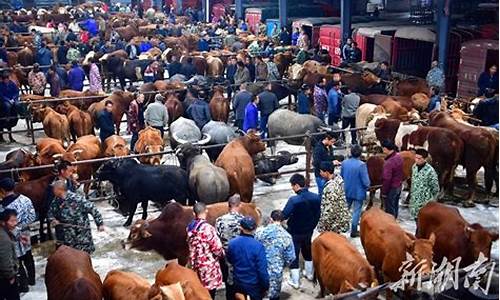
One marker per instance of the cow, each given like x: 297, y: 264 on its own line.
x: 167, y: 234
x: 174, y: 273
x: 455, y: 237
x: 387, y: 245
x: 364, y: 114
x: 121, y: 102
x: 220, y: 133
x: 55, y: 125
x: 137, y: 183
x: 80, y: 122
x: 149, y: 141
x: 174, y: 108
x: 360, y: 82
x: 296, y: 124
x: 19, y: 158
x: 25, y: 57
x: 84, y: 99
x: 219, y: 105
x: 236, y: 159
x: 115, y: 146
x: 208, y: 183
x: 69, y: 276
x: 409, y: 87
x: 184, y: 131
x: 215, y: 67
x: 48, y: 150
x: 266, y: 165
x: 338, y: 265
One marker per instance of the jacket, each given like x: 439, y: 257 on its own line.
x: 356, y: 180
x: 392, y: 175
x: 37, y: 81
x: 251, y: 117
x: 261, y: 71
x: 62, y: 51
x: 335, y: 215
x: 240, y: 102
x: 230, y: 72
x: 188, y: 70
x: 486, y: 81
x: 320, y: 99
x: 434, y: 103
x: 487, y: 111
x: 8, y: 259
x: 199, y: 112
x: 321, y: 153
x: 242, y: 75
x: 350, y: 104
x: 302, y: 212
x: 435, y: 77
x: 73, y: 54
x: 135, y: 117
x: 248, y: 258
x: 25, y: 216
x: 105, y: 123
x: 44, y: 57
x: 76, y: 76
x: 334, y: 103
x: 268, y: 102
x: 251, y: 71
x: 302, y: 103
x: 174, y: 68
x: 424, y: 187
x: 156, y: 115
x: 9, y: 91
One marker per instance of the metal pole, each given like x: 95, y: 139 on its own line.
x: 238, y: 9
x: 345, y: 19
x: 207, y: 10
x: 443, y: 32
x: 283, y: 11
x: 308, y: 160
x: 179, y: 7
x: 31, y: 129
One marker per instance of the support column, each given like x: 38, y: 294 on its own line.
x: 178, y: 7
x: 443, y: 30
x: 345, y: 19
x: 283, y: 10
x: 205, y: 6
x: 238, y: 9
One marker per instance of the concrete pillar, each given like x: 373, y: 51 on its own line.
x: 178, y: 6
x: 443, y: 31
x: 283, y: 8
x: 345, y: 19
x: 238, y: 9
x: 205, y: 6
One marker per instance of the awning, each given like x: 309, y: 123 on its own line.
x: 416, y: 33
x: 372, y: 31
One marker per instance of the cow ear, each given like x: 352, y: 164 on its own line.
x: 346, y: 287
x: 146, y: 234
x: 432, y: 238
x: 468, y: 232
x: 493, y: 235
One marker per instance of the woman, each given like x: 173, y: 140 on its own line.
x: 95, y: 80
x: 54, y: 81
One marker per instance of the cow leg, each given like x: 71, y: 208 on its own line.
x: 11, y: 138
x: 49, y: 229
x: 2, y: 140
x: 144, y: 205
x: 471, y: 184
x: 122, y: 82
x: 43, y: 238
x: 130, y: 215
x: 370, y: 199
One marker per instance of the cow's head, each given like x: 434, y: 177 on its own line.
x: 296, y: 73
x: 480, y: 239
x: 421, y: 251
x: 186, y: 151
x: 386, y: 129
x: 369, y: 78
x: 154, y: 159
x: 108, y: 170
x: 138, y: 232
x: 120, y: 150
x: 252, y: 143
x: 174, y: 291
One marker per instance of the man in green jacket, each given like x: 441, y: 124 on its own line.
x: 424, y: 183
x: 8, y: 257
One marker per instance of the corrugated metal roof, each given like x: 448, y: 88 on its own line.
x: 372, y: 31
x: 488, y: 44
x: 416, y: 33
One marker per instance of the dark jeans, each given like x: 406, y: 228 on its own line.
x: 263, y: 126
x: 160, y: 128
x: 133, y: 140
x: 356, y: 213
x: 225, y: 272
x: 391, y: 203
x: 104, y: 135
x: 333, y: 118
x: 248, y: 291
x: 320, y: 183
x: 302, y: 244
x: 239, y: 124
x: 350, y: 122
x: 26, y: 270
x: 8, y: 291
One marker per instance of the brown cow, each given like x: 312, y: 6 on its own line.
x: 19, y: 158
x: 87, y: 98
x: 174, y: 108
x: 386, y: 245
x: 149, y: 141
x: 338, y: 265
x: 409, y: 87
x: 455, y: 237
x: 283, y: 61
x: 47, y: 150
x: 418, y: 101
x: 359, y: 82
x: 115, y: 146
x: 55, y: 125
x: 215, y: 67
x: 121, y: 102
x: 199, y: 62
x: 219, y: 106
x: 173, y: 273
x: 69, y: 276
x: 236, y: 159
x: 25, y: 57
x: 167, y: 233
x: 80, y: 122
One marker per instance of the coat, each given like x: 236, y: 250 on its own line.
x: 156, y: 115
x: 302, y: 212
x: 135, y: 117
x: 268, y: 102
x: 356, y: 180
x: 335, y: 215
x: 199, y: 112
x: 8, y: 259
x: 240, y: 102
x: 72, y: 212
x: 392, y: 175
x: 302, y: 103
x: 37, y: 82
x: 25, y: 216
x: 334, y: 103
x: 44, y: 57
x: 76, y: 76
x: 320, y: 100
x: 424, y: 187
x: 242, y: 75
x: 95, y: 81
x: 261, y: 71
x: 251, y: 117
x: 105, y: 124
x: 280, y: 253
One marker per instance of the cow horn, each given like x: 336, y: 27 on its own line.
x: 205, y: 140
x: 77, y: 151
x: 57, y: 155
x: 177, y: 139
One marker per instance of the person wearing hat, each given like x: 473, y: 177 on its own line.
x: 156, y: 114
x: 199, y: 111
x: 25, y: 216
x: 68, y: 212
x: 424, y: 183
x: 392, y: 178
x: 37, y: 80
x: 105, y: 121
x: 205, y: 249
x: 279, y: 251
x: 249, y: 261
x: 323, y: 151
x: 302, y: 212
x: 304, y: 100
x: 9, y: 289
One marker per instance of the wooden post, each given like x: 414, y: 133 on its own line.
x: 308, y: 160
x: 290, y: 101
x: 31, y: 129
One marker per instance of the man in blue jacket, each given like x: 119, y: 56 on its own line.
x: 334, y: 106
x: 251, y: 115
x: 199, y: 111
x: 91, y: 26
x: 356, y: 182
x: 76, y: 76
x: 105, y: 121
x: 249, y: 261
x: 302, y: 212
x: 44, y: 57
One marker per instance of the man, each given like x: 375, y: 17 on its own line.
x: 335, y: 215
x: 188, y: 69
x: 385, y: 74
x: 73, y: 54
x: 76, y: 76
x: 435, y: 76
x: 295, y: 36
x: 303, y: 100
x: 25, y: 216
x: 334, y: 104
x: 303, y: 40
x: 260, y: 69
x: 488, y: 80
x: 279, y: 251
x: 230, y: 72
x: 132, y: 50
x: 347, y: 51
x: 487, y: 110
x: 251, y: 115
x: 356, y: 54
x: 302, y: 212
x: 350, y: 104
x: 70, y: 211
x: 135, y: 119
x: 240, y: 102
x: 37, y: 39
x: 44, y: 57
x: 268, y: 102
x: 272, y: 68
x: 320, y: 99
x: 156, y: 114
x: 248, y: 258
x: 9, y: 93
x: 105, y: 121
x: 8, y: 259
x: 174, y: 67
x: 55, y: 82
x: 228, y: 227
x: 435, y: 101
x: 199, y: 111
x: 392, y: 178
x: 65, y: 172
x: 37, y: 80
x: 205, y: 249
x: 249, y: 64
x: 242, y: 74
x: 356, y: 183
x: 71, y: 36
x: 323, y: 151
x: 284, y: 37
x: 62, y: 53
x: 424, y: 183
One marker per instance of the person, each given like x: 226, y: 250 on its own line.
x: 350, y: 104
x: 54, y: 80
x: 488, y: 80
x: 347, y: 51
x: 320, y: 99
x: 9, y: 93
x: 149, y: 72
x: 240, y: 102
x: 8, y: 259
x: 302, y: 212
x: 356, y: 183
x: 335, y: 215
x: 230, y: 72
x: 135, y: 119
x: 188, y: 69
x: 243, y: 26
x: 435, y: 101
x: 251, y: 115
x: 303, y: 100
x: 249, y: 261
x: 268, y: 102
x: 199, y: 111
x: 156, y: 114
x: 435, y: 76
x: 284, y: 37
x: 95, y: 81
x: 295, y: 36
x: 424, y: 183
x: 203, y: 45
x: 44, y: 57
x: 242, y: 74
x: 384, y: 73
x: 174, y: 67
x: 273, y: 73
x: 334, y: 104
x: 392, y: 178
x: 37, y: 39
x: 132, y: 50
x: 70, y: 211
x: 71, y: 36
x: 91, y: 26
x: 105, y: 121
x: 302, y: 56
x: 25, y: 216
x: 323, y: 151
x: 279, y: 251
x: 356, y: 54
x: 76, y: 76
x: 37, y: 80
x: 62, y: 52
x: 228, y: 227
x: 73, y: 53
x: 487, y: 109
x: 261, y: 71
x: 145, y: 45
x: 251, y: 68
x: 262, y: 28
x: 303, y: 40
x: 205, y: 249
x: 65, y: 172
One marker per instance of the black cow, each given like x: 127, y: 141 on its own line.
x: 117, y: 67
x: 264, y: 165
x: 137, y: 183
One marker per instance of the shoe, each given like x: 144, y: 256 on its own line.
x: 308, y: 271
x: 294, y: 280
x: 354, y: 234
